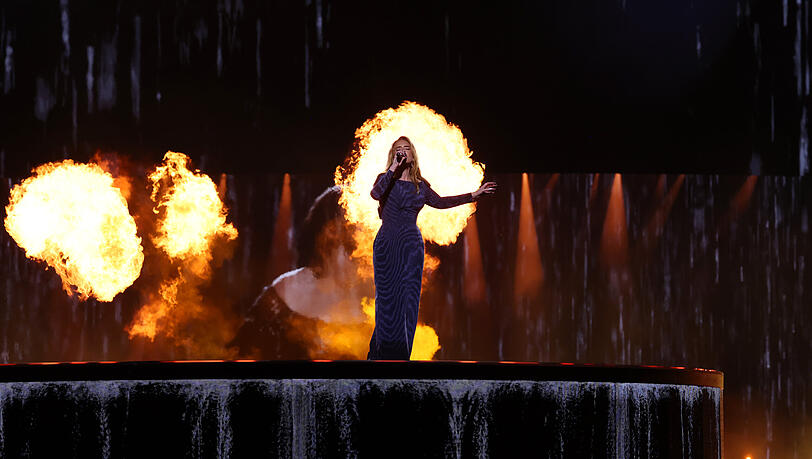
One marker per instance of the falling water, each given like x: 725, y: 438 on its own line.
x: 309, y: 418
x: 89, y: 79
x: 106, y: 82
x: 8, y: 60
x: 135, y: 70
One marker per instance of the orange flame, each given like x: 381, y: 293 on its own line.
x: 145, y: 323
x: 347, y: 339
x: 193, y: 212
x: 192, y: 219
x: 426, y: 343
x: 445, y: 161
x: 72, y: 217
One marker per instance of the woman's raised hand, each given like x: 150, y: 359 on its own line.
x: 399, y: 163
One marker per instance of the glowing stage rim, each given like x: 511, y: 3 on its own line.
x: 357, y: 369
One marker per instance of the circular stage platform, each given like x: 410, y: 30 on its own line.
x: 358, y: 408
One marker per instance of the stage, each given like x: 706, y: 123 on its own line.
x: 358, y: 408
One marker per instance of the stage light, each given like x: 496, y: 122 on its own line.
x: 615, y: 240
x: 529, y: 271
x: 281, y: 256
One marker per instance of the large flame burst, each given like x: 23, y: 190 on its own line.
x: 193, y: 214
x: 445, y: 161
x: 72, y: 217
x: 191, y: 218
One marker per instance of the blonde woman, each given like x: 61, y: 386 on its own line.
x: 398, y: 249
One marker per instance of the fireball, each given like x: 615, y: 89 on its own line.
x: 73, y: 218
x: 445, y: 161
x: 192, y: 211
x: 191, y: 220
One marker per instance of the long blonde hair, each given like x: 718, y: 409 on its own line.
x: 414, y: 172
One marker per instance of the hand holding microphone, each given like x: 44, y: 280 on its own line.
x: 400, y: 163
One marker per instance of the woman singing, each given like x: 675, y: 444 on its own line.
x: 398, y: 249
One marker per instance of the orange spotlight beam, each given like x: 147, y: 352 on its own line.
x: 615, y: 239
x: 593, y: 191
x: 222, y: 187
x: 552, y: 182
x: 660, y: 189
x: 740, y: 201
x: 654, y: 227
x: 281, y: 253
x: 474, y: 288
x: 529, y: 271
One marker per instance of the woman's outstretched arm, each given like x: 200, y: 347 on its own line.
x: 380, y: 184
x: 444, y: 202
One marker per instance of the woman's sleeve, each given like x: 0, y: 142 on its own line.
x: 380, y: 184
x: 444, y: 202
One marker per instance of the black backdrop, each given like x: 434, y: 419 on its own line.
x: 555, y: 86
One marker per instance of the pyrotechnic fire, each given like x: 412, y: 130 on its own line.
x: 193, y: 211
x: 348, y: 339
x: 191, y: 219
x: 73, y: 217
x: 146, y: 320
x: 445, y: 161
x: 426, y: 343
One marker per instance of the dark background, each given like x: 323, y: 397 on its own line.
x: 553, y: 86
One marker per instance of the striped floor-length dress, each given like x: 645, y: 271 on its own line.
x: 398, y: 264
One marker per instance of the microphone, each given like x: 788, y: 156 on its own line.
x: 401, y: 159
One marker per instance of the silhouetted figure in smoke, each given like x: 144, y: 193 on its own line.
x: 282, y: 322
x: 398, y: 249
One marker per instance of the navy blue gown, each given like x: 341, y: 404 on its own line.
x: 397, y: 259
